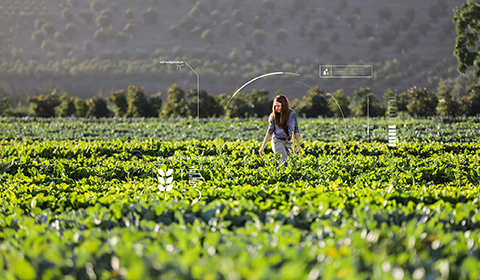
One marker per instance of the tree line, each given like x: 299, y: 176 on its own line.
x: 416, y: 102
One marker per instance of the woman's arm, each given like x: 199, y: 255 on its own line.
x: 265, y: 141
x: 297, y: 137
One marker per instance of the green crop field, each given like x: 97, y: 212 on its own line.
x: 159, y: 199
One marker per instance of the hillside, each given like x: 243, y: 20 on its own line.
x: 50, y: 44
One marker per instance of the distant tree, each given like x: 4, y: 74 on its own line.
x: 240, y: 28
x: 367, y: 104
x: 69, y: 30
x: 351, y: 21
x: 121, y: 38
x: 368, y: 31
x: 116, y: 7
x: 156, y: 104
x: 373, y: 45
x: 72, y: 3
x: 259, y: 36
x: 130, y: 28
x: 207, y: 106
x: 86, y: 15
x: 48, y: 28
x: 97, y: 107
x: 43, y: 106
x: 150, y: 16
x: 48, y: 45
x: 343, y: 101
x: 38, y: 36
x: 59, y: 37
x: 237, y: 15
x: 208, y: 36
x: 277, y: 21
x: 129, y: 14
x: 215, y: 15
x: 473, y: 100
x: 315, y: 104
x: 447, y: 106
x: 37, y: 24
x: 413, y: 37
x: 387, y: 37
x: 423, y: 102
x: 402, y: 102
x: 96, y: 6
x: 238, y: 107
x: 67, y: 107
x: 67, y: 14
x: 177, y: 104
x: 138, y: 105
x: 101, y: 35
x: 402, y: 46
x: 81, y: 107
x: 177, y: 51
x: 258, y: 22
x: 5, y: 107
x: 385, y: 13
x: 282, y: 35
x: 103, y: 20
x: 174, y: 30
x: 226, y: 27
x: 87, y: 50
x: 260, y: 103
x: 120, y: 104
x: 268, y: 5
x: 467, y: 46
x: 233, y: 56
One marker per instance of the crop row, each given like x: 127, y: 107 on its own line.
x: 230, y: 130
x: 80, y: 210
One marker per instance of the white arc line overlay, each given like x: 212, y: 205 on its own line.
x: 259, y: 77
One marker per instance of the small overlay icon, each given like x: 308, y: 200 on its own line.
x: 165, y: 179
x: 392, y: 117
x: 346, y: 71
x: 194, y: 176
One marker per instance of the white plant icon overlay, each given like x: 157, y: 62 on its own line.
x: 165, y: 180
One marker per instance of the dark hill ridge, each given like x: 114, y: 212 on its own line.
x: 408, y: 43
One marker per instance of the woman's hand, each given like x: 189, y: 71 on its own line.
x: 261, y: 151
x: 299, y: 149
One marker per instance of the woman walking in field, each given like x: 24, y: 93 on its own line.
x: 282, y: 124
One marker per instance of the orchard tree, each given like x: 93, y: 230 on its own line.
x: 121, y: 38
x: 368, y: 104
x: 473, y: 100
x: 129, y: 14
x: 282, y: 35
x: 5, y: 107
x: 315, y: 104
x: 177, y: 104
x: 67, y: 14
x: 38, y: 36
x: 343, y: 102
x: 81, y: 107
x: 101, y: 35
x: 97, y: 107
x: 44, y: 105
x: 207, y: 105
x: 260, y: 103
x: 69, y: 30
x: 120, y: 104
x: 208, y: 36
x: 67, y: 107
x: 447, y: 105
x: 86, y: 16
x: 423, y: 102
x: 150, y: 16
x: 130, y: 28
x: 156, y: 104
x: 259, y: 36
x: 48, y: 28
x: 467, y: 46
x: 138, y: 105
